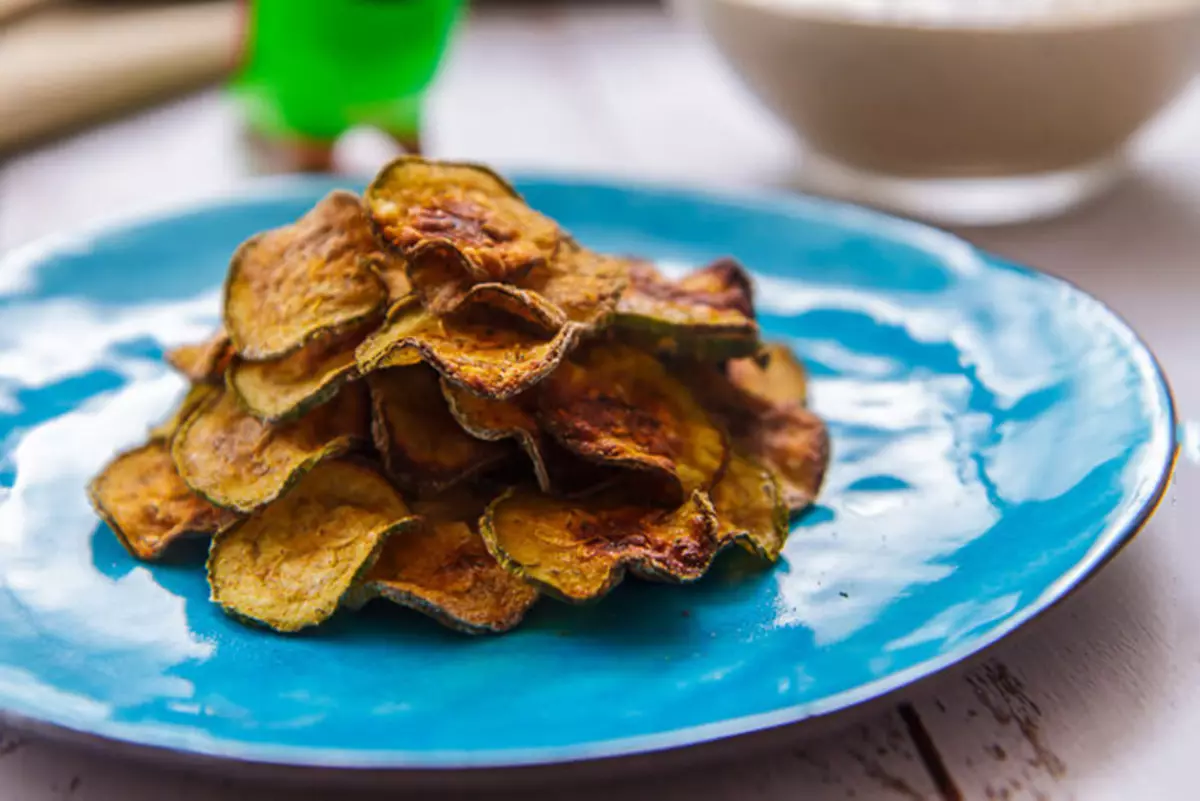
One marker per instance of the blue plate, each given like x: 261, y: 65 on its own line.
x: 997, y: 435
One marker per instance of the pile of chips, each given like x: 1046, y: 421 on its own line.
x: 433, y: 395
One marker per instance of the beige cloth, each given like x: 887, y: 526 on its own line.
x: 62, y: 65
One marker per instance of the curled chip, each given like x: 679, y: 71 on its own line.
x: 423, y: 447
x: 241, y: 463
x: 521, y: 304
x: 557, y: 469
x: 204, y: 362
x: 795, y: 444
x: 287, y: 285
x: 147, y: 505
x: 394, y: 275
x: 583, y: 284
x: 196, y: 396
x: 442, y: 568
x: 289, y: 566
x: 443, y: 281
x: 414, y: 201
x: 781, y: 381
x: 750, y: 507
x: 284, y: 388
x: 619, y: 407
x: 486, y: 351
x: 707, y: 314
x: 779, y: 433
x: 577, y: 285
x: 578, y: 550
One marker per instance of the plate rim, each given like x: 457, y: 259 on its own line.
x: 23, y: 260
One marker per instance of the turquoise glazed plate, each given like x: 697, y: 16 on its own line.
x: 997, y: 435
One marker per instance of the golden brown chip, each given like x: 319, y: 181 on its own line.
x: 584, y: 285
x: 518, y: 303
x: 783, y: 436
x: 393, y: 273
x: 290, y: 565
x: 557, y: 469
x: 283, y: 388
x: 578, y: 550
x: 423, y: 447
x: 780, y: 380
x: 147, y: 505
x: 707, y: 314
x: 617, y: 406
x: 239, y: 462
x: 488, y: 354
x: 750, y: 507
x: 287, y: 285
x: 442, y: 568
x: 414, y: 201
x: 196, y: 396
x: 444, y: 282
x: 204, y: 362
x: 577, y: 285
x: 795, y: 444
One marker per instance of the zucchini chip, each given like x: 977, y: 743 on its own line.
x: 290, y: 566
x: 203, y: 362
x: 750, y: 507
x: 147, y: 505
x: 708, y: 314
x: 414, y: 201
x: 442, y: 568
x: 578, y: 550
x: 619, y: 407
x: 486, y: 352
x: 239, y: 462
x: 290, y: 284
x: 423, y: 447
x: 282, y: 389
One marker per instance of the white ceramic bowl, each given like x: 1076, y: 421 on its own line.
x: 893, y: 103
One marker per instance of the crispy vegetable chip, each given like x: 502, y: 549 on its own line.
x: 442, y: 278
x: 442, y: 568
x: 782, y: 435
x: 241, y: 463
x: 289, y: 566
x: 577, y: 285
x: 488, y: 354
x: 281, y: 389
x: 423, y: 447
x: 196, y: 396
x: 287, y: 285
x: 557, y: 469
x: 414, y: 201
x: 750, y: 508
x: 795, y: 444
x: 578, y: 550
x: 707, y: 314
x: 147, y: 505
x: 204, y: 362
x: 584, y: 285
x: 518, y: 303
x: 394, y: 275
x: 617, y: 406
x: 781, y: 380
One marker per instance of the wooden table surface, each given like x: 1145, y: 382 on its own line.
x: 1097, y: 701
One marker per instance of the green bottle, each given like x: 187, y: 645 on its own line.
x: 312, y: 69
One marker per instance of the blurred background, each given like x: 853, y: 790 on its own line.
x: 960, y: 111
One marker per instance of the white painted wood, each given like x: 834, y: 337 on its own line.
x: 1098, y: 701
